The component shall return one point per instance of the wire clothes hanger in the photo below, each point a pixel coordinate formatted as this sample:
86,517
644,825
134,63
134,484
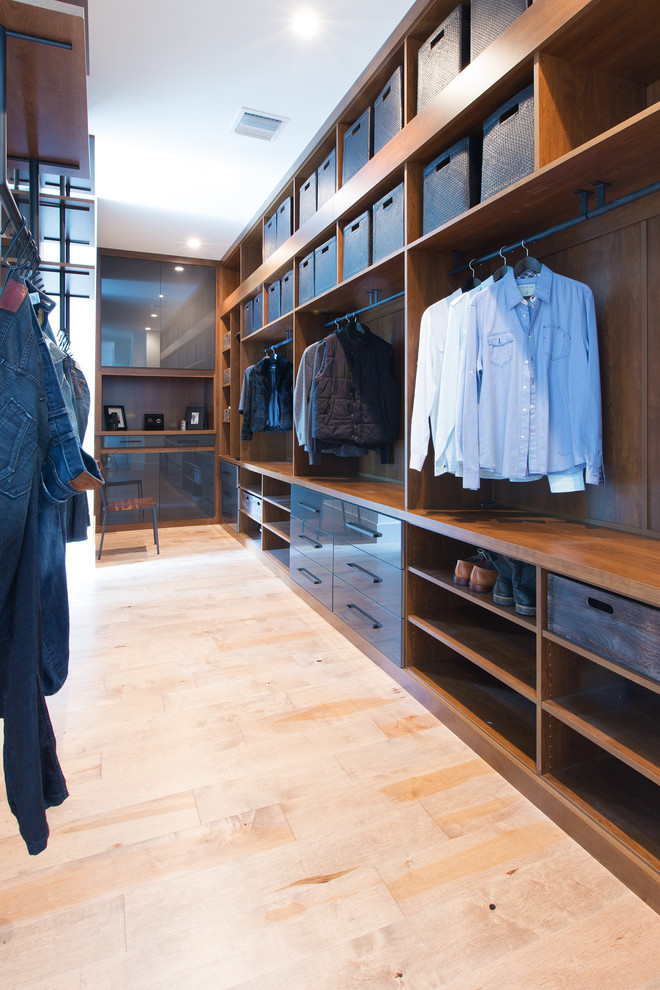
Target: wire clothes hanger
473,281
528,265
503,269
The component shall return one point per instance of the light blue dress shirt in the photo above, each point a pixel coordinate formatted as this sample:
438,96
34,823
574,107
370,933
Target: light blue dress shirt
532,403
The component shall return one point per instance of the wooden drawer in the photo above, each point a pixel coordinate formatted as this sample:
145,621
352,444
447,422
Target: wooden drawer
311,576
376,624
374,577
307,538
313,507
229,504
617,628
372,531
251,504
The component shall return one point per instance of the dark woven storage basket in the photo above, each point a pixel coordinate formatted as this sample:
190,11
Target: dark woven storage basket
387,224
357,146
307,199
273,301
508,143
488,20
326,179
247,318
284,218
443,55
270,235
388,111
325,266
450,185
286,293
306,279
258,312
357,244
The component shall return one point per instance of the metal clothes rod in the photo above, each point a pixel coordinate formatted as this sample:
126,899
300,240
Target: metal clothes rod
558,228
365,309
282,343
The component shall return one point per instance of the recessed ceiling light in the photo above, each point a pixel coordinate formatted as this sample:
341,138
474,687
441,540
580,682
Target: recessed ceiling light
306,23
194,242
154,315
147,328
178,268
160,295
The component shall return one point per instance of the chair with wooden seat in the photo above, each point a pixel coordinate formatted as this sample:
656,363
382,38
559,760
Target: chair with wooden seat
139,504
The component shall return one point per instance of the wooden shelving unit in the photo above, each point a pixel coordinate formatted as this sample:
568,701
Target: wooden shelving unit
574,730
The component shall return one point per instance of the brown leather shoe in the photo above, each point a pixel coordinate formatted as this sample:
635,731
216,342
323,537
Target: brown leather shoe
483,578
465,566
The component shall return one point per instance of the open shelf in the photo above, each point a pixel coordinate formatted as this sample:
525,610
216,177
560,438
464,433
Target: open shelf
496,709
443,577
502,650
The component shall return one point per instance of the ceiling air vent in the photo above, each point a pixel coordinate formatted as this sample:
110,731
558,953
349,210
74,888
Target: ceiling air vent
264,126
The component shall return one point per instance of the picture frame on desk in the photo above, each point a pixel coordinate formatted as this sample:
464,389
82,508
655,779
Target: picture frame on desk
114,417
195,416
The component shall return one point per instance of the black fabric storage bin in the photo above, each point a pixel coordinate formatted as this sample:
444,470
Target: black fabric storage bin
258,311
325,266
357,146
443,55
387,224
357,244
488,20
273,301
284,217
270,236
247,318
450,185
286,293
306,279
326,180
388,111
307,199
508,143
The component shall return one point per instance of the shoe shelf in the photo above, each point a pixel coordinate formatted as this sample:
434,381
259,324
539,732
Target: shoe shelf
506,652
281,528
444,578
608,791
503,714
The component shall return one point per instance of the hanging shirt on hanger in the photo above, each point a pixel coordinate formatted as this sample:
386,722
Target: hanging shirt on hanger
532,386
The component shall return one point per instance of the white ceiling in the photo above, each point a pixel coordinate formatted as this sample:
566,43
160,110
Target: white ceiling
167,82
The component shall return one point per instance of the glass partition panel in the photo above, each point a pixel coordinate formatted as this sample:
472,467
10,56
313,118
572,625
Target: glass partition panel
156,314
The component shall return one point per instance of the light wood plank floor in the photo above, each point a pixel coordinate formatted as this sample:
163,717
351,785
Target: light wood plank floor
255,805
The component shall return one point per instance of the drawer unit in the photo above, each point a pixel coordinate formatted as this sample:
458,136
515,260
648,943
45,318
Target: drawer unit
376,624
314,507
373,577
229,504
311,576
251,504
372,531
615,627
311,541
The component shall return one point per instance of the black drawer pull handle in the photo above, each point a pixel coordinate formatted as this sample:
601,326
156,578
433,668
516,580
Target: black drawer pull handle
308,539
601,606
310,508
365,532
315,580
365,615
374,577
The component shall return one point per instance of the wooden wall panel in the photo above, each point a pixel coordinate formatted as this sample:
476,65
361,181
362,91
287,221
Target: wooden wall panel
653,247
613,265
